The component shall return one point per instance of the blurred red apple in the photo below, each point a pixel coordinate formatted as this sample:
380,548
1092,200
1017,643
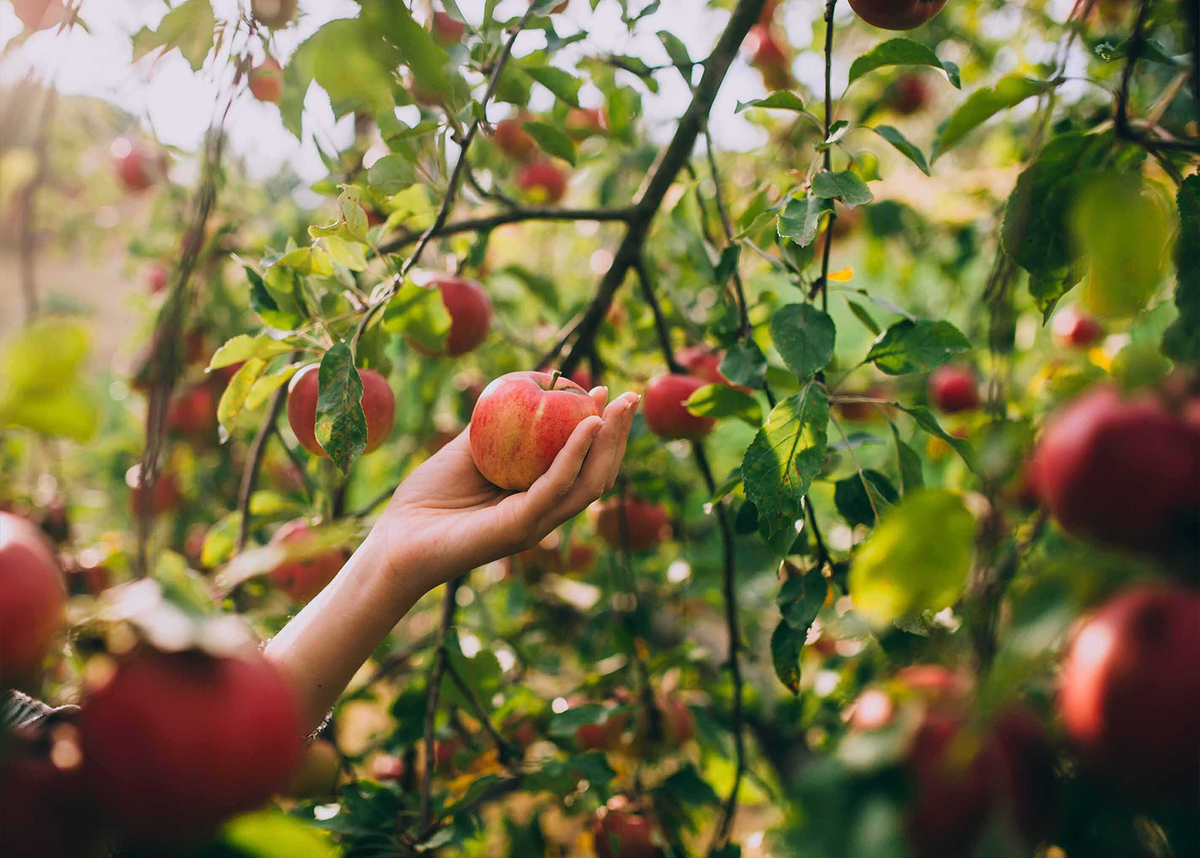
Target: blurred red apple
646,523
619,834
770,57
909,94
32,597
896,14
156,276
1076,330
953,389
387,767
192,412
165,496
266,81
470,311
378,404
446,30
542,182
137,168
303,579
665,413
583,122
513,140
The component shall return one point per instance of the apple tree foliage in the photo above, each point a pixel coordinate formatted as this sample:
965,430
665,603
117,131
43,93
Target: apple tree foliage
835,527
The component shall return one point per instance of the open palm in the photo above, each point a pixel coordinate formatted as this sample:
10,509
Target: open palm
446,519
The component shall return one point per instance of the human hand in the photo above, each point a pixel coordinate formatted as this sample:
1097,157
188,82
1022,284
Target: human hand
445,518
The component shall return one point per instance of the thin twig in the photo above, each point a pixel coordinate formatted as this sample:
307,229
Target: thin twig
660,322
28,241
296,461
250,473
431,701
828,160
503,748
727,225
516,215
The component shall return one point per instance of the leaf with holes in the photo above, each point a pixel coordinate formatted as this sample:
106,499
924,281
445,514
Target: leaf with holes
341,426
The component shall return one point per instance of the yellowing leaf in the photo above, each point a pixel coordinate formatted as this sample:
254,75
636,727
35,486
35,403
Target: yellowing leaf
843,275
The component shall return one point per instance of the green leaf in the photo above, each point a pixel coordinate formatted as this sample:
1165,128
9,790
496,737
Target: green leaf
721,400
243,346
552,141
235,394
928,422
420,313
393,25
784,99
676,50
391,174
307,260
800,599
907,149
908,346
801,218
896,52
275,835
727,264
863,316
71,411
341,427
909,464
858,497
46,355
982,105
220,540
189,27
804,337
263,302
540,286
744,364
917,559
350,62
563,776
1181,341
785,456
845,186
786,645
564,85
268,384
347,253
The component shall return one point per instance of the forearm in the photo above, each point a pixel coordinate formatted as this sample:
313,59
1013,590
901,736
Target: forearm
323,646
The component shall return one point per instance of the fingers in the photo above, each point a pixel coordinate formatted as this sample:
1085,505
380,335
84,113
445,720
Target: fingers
602,460
554,485
616,464
600,397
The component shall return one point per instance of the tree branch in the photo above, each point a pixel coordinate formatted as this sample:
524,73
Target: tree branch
28,241
727,226
431,700
828,161
250,472
503,748
516,215
662,175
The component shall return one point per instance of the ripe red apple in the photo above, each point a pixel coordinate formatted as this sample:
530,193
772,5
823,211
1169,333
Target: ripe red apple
521,421
303,579
266,81
174,743
1124,473
164,498
678,723
88,580
1129,693
542,182
513,140
275,14
701,361
605,735
378,405
770,57
40,14
581,557
1076,330
582,122
953,389
470,311
387,767
318,773
619,834
909,94
47,811
136,167
192,412
446,30
646,523
444,752
896,14
156,276
665,413
521,730
32,596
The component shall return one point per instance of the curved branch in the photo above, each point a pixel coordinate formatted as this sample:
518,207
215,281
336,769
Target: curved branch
517,215
250,474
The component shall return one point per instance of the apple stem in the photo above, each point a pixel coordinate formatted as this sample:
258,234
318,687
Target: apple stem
554,377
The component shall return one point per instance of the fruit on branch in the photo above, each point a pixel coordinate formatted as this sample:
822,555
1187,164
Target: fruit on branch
192,412
622,834
47,811
266,81
378,405
275,14
909,94
770,57
446,30
40,14
32,596
520,423
521,730
1122,472
387,767
176,742
701,361
581,122
665,413
303,578
646,523
136,167
864,412
164,497
603,736
513,140
896,14
1075,330
953,389
156,276
318,773
444,752
470,311
542,182
1129,692
676,725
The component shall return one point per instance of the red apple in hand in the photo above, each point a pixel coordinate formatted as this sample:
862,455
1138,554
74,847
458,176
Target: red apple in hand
513,140
619,834
446,30
175,743
378,404
521,421
665,413
953,389
1122,472
303,579
542,182
896,14
32,596
646,523
1129,691
1076,330
470,312
266,81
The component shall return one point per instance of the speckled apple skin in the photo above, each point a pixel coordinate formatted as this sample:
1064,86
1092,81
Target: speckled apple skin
520,424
